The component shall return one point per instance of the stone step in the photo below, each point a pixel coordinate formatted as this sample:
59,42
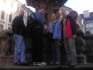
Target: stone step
54,67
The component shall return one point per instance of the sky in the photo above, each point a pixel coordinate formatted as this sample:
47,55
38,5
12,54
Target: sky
80,5
77,5
24,2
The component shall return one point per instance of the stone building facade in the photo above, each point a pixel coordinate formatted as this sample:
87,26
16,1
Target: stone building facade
88,17
9,11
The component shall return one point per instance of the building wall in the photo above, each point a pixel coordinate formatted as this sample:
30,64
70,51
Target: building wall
9,11
88,17
89,26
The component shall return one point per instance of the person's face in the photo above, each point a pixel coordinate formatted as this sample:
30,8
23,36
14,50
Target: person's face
63,13
43,11
53,16
22,12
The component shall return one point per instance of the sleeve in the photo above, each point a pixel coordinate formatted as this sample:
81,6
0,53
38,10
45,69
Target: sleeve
50,28
15,24
73,25
57,32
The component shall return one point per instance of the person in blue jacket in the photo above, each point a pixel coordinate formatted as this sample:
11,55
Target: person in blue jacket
55,49
38,37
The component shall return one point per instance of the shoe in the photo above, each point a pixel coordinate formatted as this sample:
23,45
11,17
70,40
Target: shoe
73,63
41,64
34,63
57,63
52,63
25,63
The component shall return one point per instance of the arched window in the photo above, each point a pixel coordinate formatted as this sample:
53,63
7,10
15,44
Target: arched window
2,14
10,18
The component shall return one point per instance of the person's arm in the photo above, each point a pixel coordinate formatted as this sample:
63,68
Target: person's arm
57,31
15,24
73,26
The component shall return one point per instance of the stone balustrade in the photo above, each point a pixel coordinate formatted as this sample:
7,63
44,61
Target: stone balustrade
85,53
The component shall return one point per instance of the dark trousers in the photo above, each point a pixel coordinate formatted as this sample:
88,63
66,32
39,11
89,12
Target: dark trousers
69,44
37,45
63,54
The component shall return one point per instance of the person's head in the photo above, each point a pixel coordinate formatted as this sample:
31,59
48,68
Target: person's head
74,14
42,10
53,16
63,12
21,13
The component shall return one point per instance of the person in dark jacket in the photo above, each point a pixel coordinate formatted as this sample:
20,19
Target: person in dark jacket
18,29
37,37
55,49
65,32
79,41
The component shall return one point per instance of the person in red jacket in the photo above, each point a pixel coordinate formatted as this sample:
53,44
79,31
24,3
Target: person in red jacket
68,35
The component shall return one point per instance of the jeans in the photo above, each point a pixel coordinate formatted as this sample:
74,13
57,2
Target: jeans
19,52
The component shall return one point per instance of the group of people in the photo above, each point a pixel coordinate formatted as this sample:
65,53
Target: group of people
59,32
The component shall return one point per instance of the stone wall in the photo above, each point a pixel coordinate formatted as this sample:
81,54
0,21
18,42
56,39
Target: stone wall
7,47
89,48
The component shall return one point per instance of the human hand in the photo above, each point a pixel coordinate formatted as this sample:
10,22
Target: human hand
74,36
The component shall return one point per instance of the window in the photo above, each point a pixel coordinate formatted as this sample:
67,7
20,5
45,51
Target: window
11,5
2,14
89,25
92,31
10,18
9,26
1,27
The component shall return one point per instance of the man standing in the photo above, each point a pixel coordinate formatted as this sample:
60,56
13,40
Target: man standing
69,34
37,37
65,31
18,28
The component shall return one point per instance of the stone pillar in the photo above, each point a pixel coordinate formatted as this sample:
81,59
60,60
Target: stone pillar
89,48
80,47
5,57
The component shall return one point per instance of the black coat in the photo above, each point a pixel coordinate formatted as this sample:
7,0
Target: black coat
18,26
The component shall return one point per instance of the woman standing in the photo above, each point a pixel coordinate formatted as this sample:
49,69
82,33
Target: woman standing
55,49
